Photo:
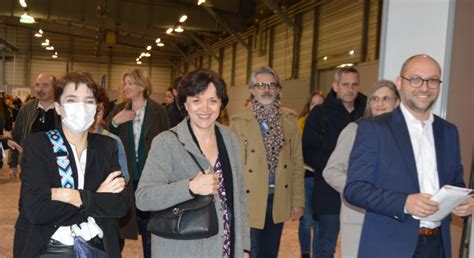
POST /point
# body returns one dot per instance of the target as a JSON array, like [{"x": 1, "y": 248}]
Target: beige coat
[{"x": 289, "y": 190}]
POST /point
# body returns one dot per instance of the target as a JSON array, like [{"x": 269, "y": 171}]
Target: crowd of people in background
[{"x": 93, "y": 171}]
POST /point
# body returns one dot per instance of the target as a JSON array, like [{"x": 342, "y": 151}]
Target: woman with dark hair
[
  {"x": 137, "y": 121},
  {"x": 72, "y": 191},
  {"x": 171, "y": 176},
  {"x": 382, "y": 98}
]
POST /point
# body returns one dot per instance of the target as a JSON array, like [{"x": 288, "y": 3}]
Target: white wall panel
[{"x": 55, "y": 67}]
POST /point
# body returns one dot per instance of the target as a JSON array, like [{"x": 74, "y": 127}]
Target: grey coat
[
  {"x": 164, "y": 182},
  {"x": 335, "y": 174}
]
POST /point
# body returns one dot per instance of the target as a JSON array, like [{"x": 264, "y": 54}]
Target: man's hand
[
  {"x": 420, "y": 205},
  {"x": 296, "y": 213},
  {"x": 464, "y": 209}
]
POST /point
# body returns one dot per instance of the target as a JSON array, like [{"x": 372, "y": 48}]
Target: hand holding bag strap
[{"x": 189, "y": 220}]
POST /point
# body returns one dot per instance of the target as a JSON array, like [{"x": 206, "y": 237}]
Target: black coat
[
  {"x": 40, "y": 216},
  {"x": 322, "y": 128}
]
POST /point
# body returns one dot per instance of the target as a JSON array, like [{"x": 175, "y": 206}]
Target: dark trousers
[
  {"x": 266, "y": 242},
  {"x": 429, "y": 246}
]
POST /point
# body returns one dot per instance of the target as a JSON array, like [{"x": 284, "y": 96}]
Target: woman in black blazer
[{"x": 56, "y": 208}]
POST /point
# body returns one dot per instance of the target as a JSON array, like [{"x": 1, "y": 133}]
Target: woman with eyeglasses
[
  {"x": 382, "y": 98},
  {"x": 72, "y": 191},
  {"x": 137, "y": 121}
]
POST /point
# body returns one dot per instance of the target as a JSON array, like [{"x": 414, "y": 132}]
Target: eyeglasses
[
  {"x": 417, "y": 81},
  {"x": 384, "y": 99},
  {"x": 263, "y": 85}
]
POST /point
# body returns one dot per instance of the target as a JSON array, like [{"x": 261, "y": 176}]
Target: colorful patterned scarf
[{"x": 273, "y": 140}]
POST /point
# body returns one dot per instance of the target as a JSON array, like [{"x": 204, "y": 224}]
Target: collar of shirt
[
  {"x": 413, "y": 121},
  {"x": 47, "y": 108}
]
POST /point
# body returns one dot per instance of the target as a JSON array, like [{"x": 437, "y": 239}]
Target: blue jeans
[
  {"x": 266, "y": 242},
  {"x": 328, "y": 231},
  {"x": 307, "y": 222}
]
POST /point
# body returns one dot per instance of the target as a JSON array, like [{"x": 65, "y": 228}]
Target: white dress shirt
[
  {"x": 422, "y": 142},
  {"x": 87, "y": 230}
]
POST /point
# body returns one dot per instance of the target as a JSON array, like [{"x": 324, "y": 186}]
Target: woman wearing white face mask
[{"x": 72, "y": 191}]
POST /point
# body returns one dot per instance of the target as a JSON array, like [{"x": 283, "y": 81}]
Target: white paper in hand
[{"x": 448, "y": 198}]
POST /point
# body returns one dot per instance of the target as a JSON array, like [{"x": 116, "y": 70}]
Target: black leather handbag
[{"x": 189, "y": 220}]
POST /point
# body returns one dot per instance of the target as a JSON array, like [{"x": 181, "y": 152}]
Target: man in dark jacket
[{"x": 343, "y": 104}]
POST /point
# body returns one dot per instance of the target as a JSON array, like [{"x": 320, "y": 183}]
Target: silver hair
[
  {"x": 263, "y": 70},
  {"x": 380, "y": 84},
  {"x": 345, "y": 69}
]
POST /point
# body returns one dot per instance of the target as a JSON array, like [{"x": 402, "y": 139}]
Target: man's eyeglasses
[
  {"x": 263, "y": 85},
  {"x": 417, "y": 81}
]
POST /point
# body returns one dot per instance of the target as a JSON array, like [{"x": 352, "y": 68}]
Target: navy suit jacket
[{"x": 382, "y": 173}]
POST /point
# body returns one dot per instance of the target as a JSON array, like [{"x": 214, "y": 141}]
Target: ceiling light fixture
[
  {"x": 147, "y": 54},
  {"x": 169, "y": 30},
  {"x": 158, "y": 40},
  {"x": 179, "y": 29},
  {"x": 50, "y": 48},
  {"x": 26, "y": 18},
  {"x": 39, "y": 34},
  {"x": 351, "y": 52},
  {"x": 325, "y": 58},
  {"x": 139, "y": 62},
  {"x": 345, "y": 65},
  {"x": 148, "y": 48},
  {"x": 200, "y": 2},
  {"x": 160, "y": 44},
  {"x": 183, "y": 18},
  {"x": 22, "y": 3},
  {"x": 45, "y": 43},
  {"x": 142, "y": 54},
  {"x": 55, "y": 55}
]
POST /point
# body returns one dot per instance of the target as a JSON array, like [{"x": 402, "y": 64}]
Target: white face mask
[{"x": 78, "y": 117}]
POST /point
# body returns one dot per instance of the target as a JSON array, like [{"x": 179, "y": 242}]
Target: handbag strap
[
  {"x": 190, "y": 154},
  {"x": 62, "y": 158}
]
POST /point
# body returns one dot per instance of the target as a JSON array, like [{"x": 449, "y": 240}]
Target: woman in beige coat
[{"x": 382, "y": 98}]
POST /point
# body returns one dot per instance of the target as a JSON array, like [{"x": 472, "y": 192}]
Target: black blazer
[{"x": 40, "y": 216}]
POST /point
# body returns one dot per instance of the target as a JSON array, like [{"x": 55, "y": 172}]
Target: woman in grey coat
[
  {"x": 171, "y": 177},
  {"x": 382, "y": 98}
]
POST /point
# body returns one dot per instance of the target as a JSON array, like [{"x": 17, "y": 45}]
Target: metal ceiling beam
[
  {"x": 181, "y": 52},
  {"x": 224, "y": 24},
  {"x": 7, "y": 45},
  {"x": 203, "y": 45},
  {"x": 280, "y": 13}
]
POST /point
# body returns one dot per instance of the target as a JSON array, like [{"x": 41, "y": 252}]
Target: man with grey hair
[
  {"x": 37, "y": 115},
  {"x": 275, "y": 188},
  {"x": 343, "y": 104}
]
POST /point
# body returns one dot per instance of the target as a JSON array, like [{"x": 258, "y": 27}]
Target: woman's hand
[
  {"x": 15, "y": 146},
  {"x": 66, "y": 195},
  {"x": 114, "y": 183},
  {"x": 123, "y": 116},
  {"x": 204, "y": 184}
]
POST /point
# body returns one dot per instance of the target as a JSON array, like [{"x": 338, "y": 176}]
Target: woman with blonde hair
[{"x": 137, "y": 121}]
